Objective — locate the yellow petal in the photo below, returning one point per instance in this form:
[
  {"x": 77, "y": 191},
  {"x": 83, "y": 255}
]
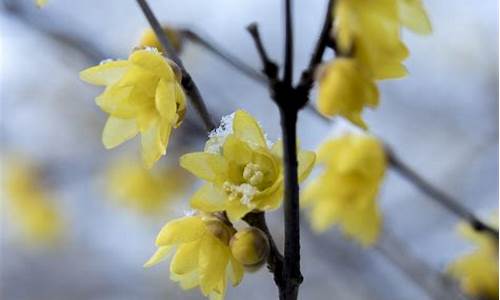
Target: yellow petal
[
  {"x": 236, "y": 210},
  {"x": 236, "y": 150},
  {"x": 306, "y": 163},
  {"x": 413, "y": 15},
  {"x": 236, "y": 273},
  {"x": 153, "y": 62},
  {"x": 105, "y": 74},
  {"x": 152, "y": 148},
  {"x": 246, "y": 128},
  {"x": 165, "y": 100},
  {"x": 186, "y": 258},
  {"x": 183, "y": 230},
  {"x": 208, "y": 199},
  {"x": 117, "y": 131},
  {"x": 207, "y": 166},
  {"x": 186, "y": 281},
  {"x": 160, "y": 254},
  {"x": 213, "y": 260}
]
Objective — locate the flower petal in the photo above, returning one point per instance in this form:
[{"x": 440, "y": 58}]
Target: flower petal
[
  {"x": 246, "y": 128},
  {"x": 186, "y": 258},
  {"x": 106, "y": 73},
  {"x": 183, "y": 230},
  {"x": 214, "y": 256},
  {"x": 207, "y": 166},
  {"x": 153, "y": 62},
  {"x": 236, "y": 210},
  {"x": 208, "y": 199},
  {"x": 165, "y": 100},
  {"x": 306, "y": 163},
  {"x": 117, "y": 131},
  {"x": 236, "y": 273},
  {"x": 152, "y": 148},
  {"x": 160, "y": 254}
]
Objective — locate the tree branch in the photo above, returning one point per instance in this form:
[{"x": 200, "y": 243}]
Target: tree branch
[
  {"x": 448, "y": 202},
  {"x": 269, "y": 68},
  {"x": 288, "y": 60},
  {"x": 187, "y": 82}
]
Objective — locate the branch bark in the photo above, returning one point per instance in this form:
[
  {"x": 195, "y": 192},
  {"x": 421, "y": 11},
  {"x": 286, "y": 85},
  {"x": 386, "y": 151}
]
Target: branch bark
[{"x": 187, "y": 82}]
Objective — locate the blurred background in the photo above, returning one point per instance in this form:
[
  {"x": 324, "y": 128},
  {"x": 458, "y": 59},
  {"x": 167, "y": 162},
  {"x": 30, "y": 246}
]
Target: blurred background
[{"x": 442, "y": 120}]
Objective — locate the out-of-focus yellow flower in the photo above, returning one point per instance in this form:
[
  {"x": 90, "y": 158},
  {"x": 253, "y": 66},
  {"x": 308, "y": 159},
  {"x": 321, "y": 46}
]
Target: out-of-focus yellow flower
[
  {"x": 202, "y": 256},
  {"x": 345, "y": 193},
  {"x": 143, "y": 94},
  {"x": 413, "y": 16},
  {"x": 477, "y": 271},
  {"x": 41, "y": 3},
  {"x": 371, "y": 31},
  {"x": 148, "y": 39},
  {"x": 141, "y": 189},
  {"x": 29, "y": 204},
  {"x": 345, "y": 89},
  {"x": 243, "y": 172}
]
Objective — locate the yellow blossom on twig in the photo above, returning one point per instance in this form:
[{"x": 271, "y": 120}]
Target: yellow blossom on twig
[
  {"x": 242, "y": 171},
  {"x": 148, "y": 38},
  {"x": 345, "y": 193},
  {"x": 143, "y": 94},
  {"x": 202, "y": 255}
]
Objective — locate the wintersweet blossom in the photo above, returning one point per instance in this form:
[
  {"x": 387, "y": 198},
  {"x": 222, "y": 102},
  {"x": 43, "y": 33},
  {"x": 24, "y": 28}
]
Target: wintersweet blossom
[
  {"x": 345, "y": 193},
  {"x": 30, "y": 205},
  {"x": 368, "y": 32},
  {"x": 148, "y": 38},
  {"x": 477, "y": 271},
  {"x": 243, "y": 172},
  {"x": 345, "y": 89},
  {"x": 143, "y": 94},
  {"x": 146, "y": 191},
  {"x": 202, "y": 255}
]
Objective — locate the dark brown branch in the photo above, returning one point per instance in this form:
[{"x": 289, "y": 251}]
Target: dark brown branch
[
  {"x": 270, "y": 69},
  {"x": 275, "y": 258},
  {"x": 451, "y": 204},
  {"x": 187, "y": 82}
]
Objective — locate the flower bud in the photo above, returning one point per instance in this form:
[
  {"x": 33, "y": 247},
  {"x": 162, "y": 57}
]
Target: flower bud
[
  {"x": 218, "y": 229},
  {"x": 250, "y": 246}
]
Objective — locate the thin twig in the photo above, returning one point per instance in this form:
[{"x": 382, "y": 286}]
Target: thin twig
[
  {"x": 210, "y": 45},
  {"x": 187, "y": 82},
  {"x": 269, "y": 68},
  {"x": 288, "y": 59},
  {"x": 442, "y": 198}
]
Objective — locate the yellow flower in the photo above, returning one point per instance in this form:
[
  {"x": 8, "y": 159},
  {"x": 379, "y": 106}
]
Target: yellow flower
[
  {"x": 148, "y": 39},
  {"x": 142, "y": 94},
  {"x": 202, "y": 256},
  {"x": 41, "y": 3},
  {"x": 144, "y": 190},
  {"x": 242, "y": 171},
  {"x": 371, "y": 29},
  {"x": 345, "y": 89},
  {"x": 477, "y": 271},
  {"x": 29, "y": 204},
  {"x": 345, "y": 193},
  {"x": 413, "y": 16}
]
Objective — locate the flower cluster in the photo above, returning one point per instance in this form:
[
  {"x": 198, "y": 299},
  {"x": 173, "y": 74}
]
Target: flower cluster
[
  {"x": 477, "y": 271},
  {"x": 345, "y": 193},
  {"x": 30, "y": 205},
  {"x": 143, "y": 190},
  {"x": 369, "y": 48},
  {"x": 143, "y": 94},
  {"x": 243, "y": 173}
]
